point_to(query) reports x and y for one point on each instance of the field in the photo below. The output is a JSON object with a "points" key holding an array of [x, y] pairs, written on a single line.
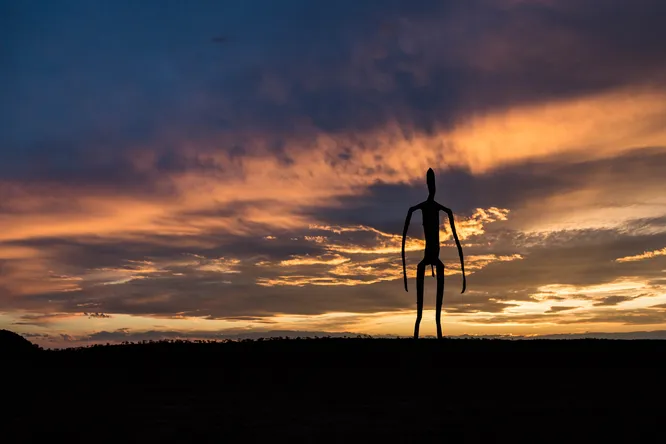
{"points": [[340, 390]]}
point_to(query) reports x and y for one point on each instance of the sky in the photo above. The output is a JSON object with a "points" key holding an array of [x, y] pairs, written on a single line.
{"points": [[203, 169]]}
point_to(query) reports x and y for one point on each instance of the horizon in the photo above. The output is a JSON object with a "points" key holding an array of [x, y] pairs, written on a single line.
{"points": [[162, 336], [234, 168]]}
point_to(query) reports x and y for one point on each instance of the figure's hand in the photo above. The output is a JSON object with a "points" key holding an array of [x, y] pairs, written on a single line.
{"points": [[464, 284], [406, 284]]}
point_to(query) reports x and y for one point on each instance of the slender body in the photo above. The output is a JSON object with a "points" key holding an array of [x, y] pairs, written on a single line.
{"points": [[430, 210]]}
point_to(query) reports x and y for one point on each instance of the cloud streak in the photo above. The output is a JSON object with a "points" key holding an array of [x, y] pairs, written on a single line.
{"points": [[643, 256]]}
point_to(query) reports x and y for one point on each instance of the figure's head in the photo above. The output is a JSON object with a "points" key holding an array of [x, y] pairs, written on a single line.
{"points": [[430, 178]]}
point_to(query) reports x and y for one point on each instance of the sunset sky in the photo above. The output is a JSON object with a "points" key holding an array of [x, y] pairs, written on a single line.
{"points": [[207, 168]]}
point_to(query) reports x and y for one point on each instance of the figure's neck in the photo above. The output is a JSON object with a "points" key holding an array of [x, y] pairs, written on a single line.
{"points": [[431, 197]]}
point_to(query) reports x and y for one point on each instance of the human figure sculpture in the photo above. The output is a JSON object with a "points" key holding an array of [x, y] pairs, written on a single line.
{"points": [[430, 211]]}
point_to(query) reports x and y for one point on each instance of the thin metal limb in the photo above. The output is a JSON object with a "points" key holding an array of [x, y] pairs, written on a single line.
{"points": [[440, 297], [420, 277]]}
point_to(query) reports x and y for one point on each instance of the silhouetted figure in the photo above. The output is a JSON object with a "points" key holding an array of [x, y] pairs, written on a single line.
{"points": [[430, 211]]}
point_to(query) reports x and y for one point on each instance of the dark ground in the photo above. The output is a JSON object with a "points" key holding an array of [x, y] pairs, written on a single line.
{"points": [[340, 390]]}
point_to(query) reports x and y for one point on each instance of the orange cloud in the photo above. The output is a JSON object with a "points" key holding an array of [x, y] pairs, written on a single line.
{"points": [[335, 259], [262, 192], [347, 262], [643, 256], [27, 271], [386, 243]]}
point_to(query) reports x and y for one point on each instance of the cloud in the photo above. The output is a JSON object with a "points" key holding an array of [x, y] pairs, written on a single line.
{"points": [[358, 255], [374, 241], [506, 268], [42, 319], [642, 256], [614, 300], [387, 134], [96, 315], [334, 259], [560, 309]]}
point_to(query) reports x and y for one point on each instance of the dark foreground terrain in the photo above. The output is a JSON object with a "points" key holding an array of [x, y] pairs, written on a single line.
{"points": [[340, 390]]}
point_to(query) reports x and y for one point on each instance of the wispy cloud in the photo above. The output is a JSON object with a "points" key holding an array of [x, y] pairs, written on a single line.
{"points": [[643, 256]]}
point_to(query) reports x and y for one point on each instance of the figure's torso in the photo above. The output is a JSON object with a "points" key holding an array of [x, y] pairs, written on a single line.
{"points": [[430, 214]]}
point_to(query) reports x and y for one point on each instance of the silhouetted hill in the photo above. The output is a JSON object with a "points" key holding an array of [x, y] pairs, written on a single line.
{"points": [[333, 351], [13, 344], [342, 390]]}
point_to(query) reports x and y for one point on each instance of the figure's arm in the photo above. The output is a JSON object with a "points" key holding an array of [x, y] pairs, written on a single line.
{"points": [[404, 236], [460, 252]]}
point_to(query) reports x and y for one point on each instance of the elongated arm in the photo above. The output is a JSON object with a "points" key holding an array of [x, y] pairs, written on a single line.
{"points": [[404, 236], [460, 252]]}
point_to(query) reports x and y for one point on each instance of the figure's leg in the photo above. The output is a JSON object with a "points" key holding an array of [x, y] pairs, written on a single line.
{"points": [[420, 276], [440, 297]]}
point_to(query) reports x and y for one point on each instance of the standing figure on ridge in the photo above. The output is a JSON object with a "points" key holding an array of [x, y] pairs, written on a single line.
{"points": [[430, 211]]}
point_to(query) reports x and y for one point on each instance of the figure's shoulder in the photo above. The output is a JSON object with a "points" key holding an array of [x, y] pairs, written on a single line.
{"points": [[419, 206], [442, 207]]}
